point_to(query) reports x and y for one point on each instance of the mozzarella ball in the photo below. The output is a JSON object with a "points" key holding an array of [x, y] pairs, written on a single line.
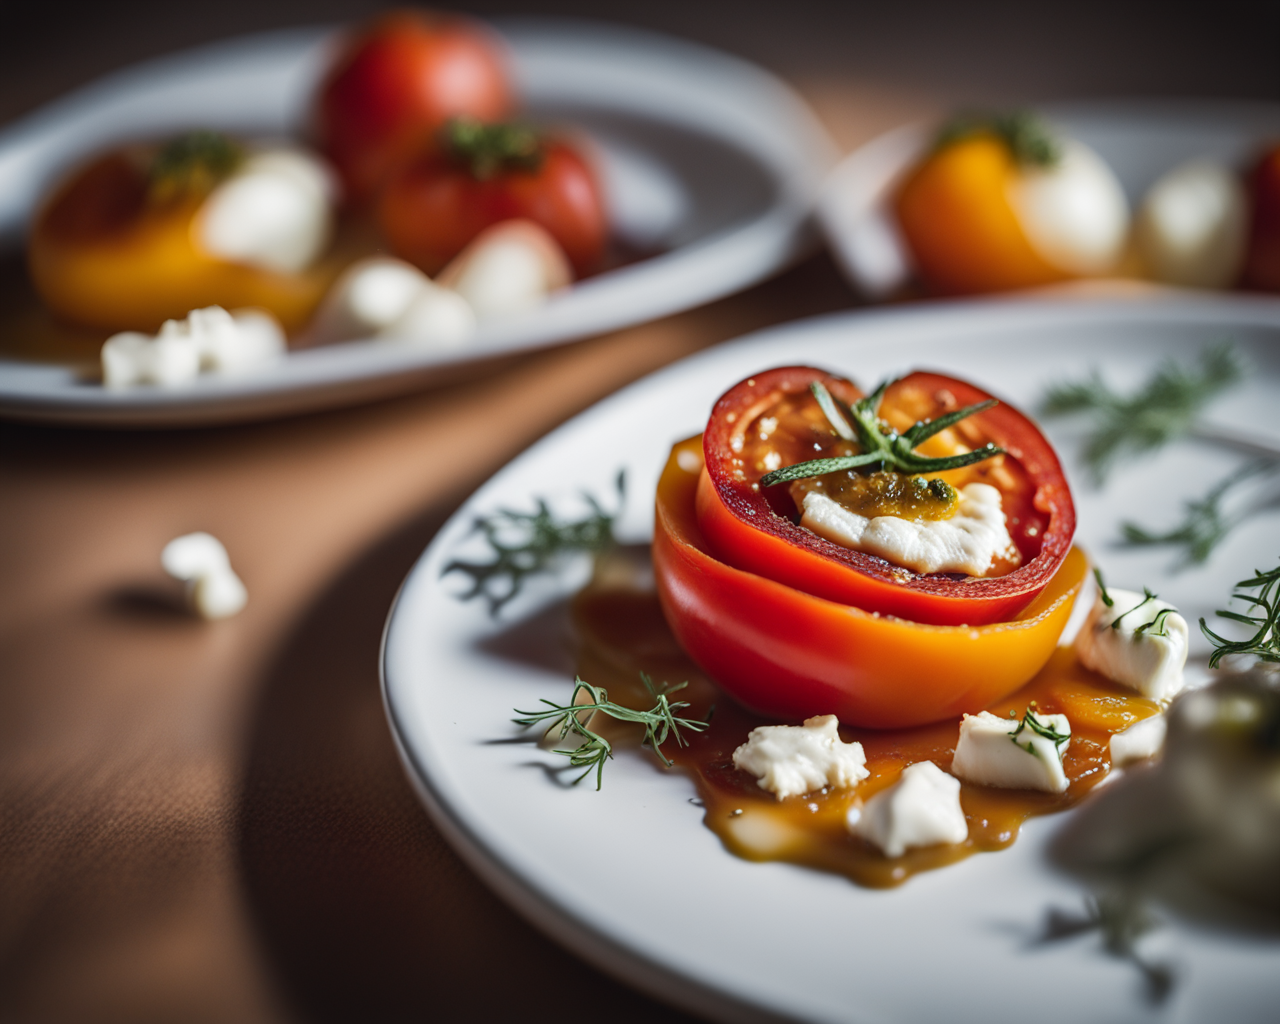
{"points": [[1193, 226]]}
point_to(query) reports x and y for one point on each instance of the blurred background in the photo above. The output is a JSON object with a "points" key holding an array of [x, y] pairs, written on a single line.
{"points": [[971, 51]]}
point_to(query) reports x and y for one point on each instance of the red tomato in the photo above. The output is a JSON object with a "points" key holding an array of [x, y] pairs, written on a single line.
{"points": [[397, 83], [431, 209], [1262, 262], [755, 529], [790, 655]]}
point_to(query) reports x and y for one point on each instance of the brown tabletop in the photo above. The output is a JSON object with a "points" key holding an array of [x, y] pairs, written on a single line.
{"points": [[208, 821]]}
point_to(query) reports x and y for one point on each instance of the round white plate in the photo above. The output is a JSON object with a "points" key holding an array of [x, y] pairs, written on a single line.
{"points": [[632, 880], [1140, 140], [707, 157]]}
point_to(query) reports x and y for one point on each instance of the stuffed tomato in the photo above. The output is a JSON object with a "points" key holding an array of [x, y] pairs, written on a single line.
{"points": [[792, 628]]}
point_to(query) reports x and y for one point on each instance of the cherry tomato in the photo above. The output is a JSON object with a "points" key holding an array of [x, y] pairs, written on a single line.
{"points": [[397, 83], [771, 420], [788, 654], [1262, 263], [431, 209]]}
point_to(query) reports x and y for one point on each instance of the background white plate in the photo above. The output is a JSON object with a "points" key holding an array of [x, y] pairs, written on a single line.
{"points": [[701, 153], [1139, 139], [631, 879]]}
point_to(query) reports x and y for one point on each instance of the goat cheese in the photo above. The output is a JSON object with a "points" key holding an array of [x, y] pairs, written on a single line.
{"points": [[921, 809], [1004, 752], [275, 212], [508, 269], [789, 760], [200, 561], [1138, 742], [383, 297], [1193, 226], [1150, 661], [209, 339], [967, 542]]}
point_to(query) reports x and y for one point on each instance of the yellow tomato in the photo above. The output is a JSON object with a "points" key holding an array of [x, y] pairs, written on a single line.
{"points": [[956, 213], [105, 252]]}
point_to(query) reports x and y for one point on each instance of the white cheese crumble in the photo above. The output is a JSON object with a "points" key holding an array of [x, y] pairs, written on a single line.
{"points": [[1004, 752], [275, 211], [789, 760], [1138, 742], [508, 269], [383, 297], [208, 340], [967, 542], [200, 561], [1150, 661], [921, 809], [1193, 226]]}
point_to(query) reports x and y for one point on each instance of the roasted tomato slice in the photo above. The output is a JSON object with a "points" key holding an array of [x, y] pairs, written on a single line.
{"points": [[790, 655], [772, 420]]}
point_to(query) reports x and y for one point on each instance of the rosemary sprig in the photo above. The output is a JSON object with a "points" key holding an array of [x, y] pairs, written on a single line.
{"points": [[1206, 523], [1044, 729], [1163, 409], [593, 750], [1147, 597], [525, 543], [191, 164], [1264, 643], [1030, 140], [880, 443]]}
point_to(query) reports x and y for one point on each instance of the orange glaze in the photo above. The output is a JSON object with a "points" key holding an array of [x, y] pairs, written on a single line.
{"points": [[622, 632]]}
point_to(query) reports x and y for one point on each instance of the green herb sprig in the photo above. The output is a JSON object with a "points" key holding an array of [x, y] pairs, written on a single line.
{"points": [[1040, 728], [880, 443], [526, 543], [1162, 410], [1206, 522], [487, 150], [1028, 137], [1262, 595], [660, 723], [191, 164]]}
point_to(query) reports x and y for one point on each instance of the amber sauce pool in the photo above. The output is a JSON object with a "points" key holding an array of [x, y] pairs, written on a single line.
{"points": [[621, 632]]}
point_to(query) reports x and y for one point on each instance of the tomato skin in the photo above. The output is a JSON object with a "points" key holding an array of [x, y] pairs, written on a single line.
{"points": [[790, 655], [1262, 261], [957, 219], [743, 530], [433, 208], [397, 83]]}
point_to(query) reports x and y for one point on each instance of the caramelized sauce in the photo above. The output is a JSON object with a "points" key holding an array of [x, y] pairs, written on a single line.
{"points": [[622, 632]]}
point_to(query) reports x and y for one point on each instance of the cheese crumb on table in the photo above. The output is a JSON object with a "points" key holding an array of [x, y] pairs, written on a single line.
{"points": [[967, 542], [921, 809], [1012, 754], [1124, 642], [789, 760], [199, 560]]}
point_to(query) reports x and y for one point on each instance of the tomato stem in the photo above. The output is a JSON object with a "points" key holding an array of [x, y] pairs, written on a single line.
{"points": [[487, 150]]}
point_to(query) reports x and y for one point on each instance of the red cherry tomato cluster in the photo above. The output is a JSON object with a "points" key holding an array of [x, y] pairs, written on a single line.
{"points": [[415, 117]]}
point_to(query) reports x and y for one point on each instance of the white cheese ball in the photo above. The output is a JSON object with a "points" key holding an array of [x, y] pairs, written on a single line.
{"points": [[1074, 213], [789, 760], [921, 809], [508, 269], [200, 561], [1148, 660], [275, 212], [1193, 226]]}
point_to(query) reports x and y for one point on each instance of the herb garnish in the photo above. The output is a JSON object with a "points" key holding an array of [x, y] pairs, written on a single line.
{"points": [[486, 150], [1030, 140], [1264, 644], [575, 717], [191, 164], [1102, 588], [525, 543], [1147, 597], [1207, 523], [880, 443], [1040, 728], [1162, 410]]}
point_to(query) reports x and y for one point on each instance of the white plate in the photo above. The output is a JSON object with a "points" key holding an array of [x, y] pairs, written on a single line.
{"points": [[702, 154], [1140, 140], [632, 880]]}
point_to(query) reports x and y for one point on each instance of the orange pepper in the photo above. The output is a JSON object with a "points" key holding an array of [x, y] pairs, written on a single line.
{"points": [[790, 655], [955, 213], [103, 256]]}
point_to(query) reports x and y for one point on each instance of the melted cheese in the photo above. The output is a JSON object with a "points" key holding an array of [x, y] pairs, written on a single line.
{"points": [[967, 542]]}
